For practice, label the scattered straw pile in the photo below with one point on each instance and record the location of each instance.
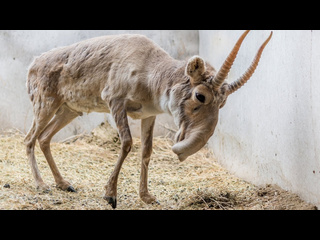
(87, 161)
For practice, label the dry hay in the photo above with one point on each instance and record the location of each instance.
(87, 161)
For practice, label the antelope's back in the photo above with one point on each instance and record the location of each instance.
(85, 68)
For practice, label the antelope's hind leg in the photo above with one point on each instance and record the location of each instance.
(63, 117)
(42, 116)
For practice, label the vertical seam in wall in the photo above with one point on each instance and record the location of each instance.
(316, 151)
(198, 42)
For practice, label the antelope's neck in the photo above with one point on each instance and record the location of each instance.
(166, 77)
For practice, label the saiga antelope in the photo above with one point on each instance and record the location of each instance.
(127, 75)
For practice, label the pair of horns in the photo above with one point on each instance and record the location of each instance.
(225, 68)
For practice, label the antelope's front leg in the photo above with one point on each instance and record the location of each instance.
(146, 140)
(120, 117)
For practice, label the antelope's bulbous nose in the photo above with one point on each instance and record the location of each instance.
(181, 156)
(188, 147)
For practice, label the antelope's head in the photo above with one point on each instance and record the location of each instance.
(196, 102)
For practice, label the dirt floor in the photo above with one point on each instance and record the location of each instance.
(199, 183)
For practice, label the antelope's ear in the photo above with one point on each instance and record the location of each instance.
(195, 68)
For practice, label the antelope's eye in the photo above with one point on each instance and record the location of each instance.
(200, 97)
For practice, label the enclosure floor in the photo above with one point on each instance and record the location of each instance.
(87, 161)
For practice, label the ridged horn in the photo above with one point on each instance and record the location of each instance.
(234, 86)
(225, 68)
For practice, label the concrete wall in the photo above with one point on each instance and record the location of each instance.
(18, 48)
(269, 131)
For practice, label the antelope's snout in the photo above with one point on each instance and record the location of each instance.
(191, 140)
(189, 146)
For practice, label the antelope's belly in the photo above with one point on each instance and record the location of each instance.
(89, 105)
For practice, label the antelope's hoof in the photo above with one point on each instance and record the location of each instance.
(43, 188)
(148, 198)
(65, 186)
(111, 200)
(71, 189)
